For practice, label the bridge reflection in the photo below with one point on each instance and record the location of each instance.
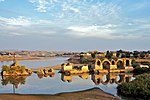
(102, 78)
(111, 78)
(68, 78)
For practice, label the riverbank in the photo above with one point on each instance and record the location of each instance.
(22, 58)
(90, 94)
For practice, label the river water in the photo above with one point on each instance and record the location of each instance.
(58, 83)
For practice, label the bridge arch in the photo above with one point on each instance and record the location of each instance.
(106, 64)
(97, 65)
(113, 62)
(127, 62)
(120, 64)
(98, 62)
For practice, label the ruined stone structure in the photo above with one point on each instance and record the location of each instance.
(66, 67)
(84, 68)
(15, 69)
(70, 69)
(123, 63)
(105, 65)
(43, 72)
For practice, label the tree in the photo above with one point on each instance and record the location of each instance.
(142, 55)
(123, 56)
(117, 54)
(109, 54)
(120, 51)
(134, 64)
(135, 54)
(84, 60)
(81, 56)
(93, 55)
(127, 54)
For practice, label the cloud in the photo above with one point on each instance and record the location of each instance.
(66, 7)
(104, 32)
(42, 4)
(15, 34)
(78, 10)
(27, 27)
(21, 20)
(23, 26)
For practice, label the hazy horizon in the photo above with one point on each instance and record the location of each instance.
(75, 25)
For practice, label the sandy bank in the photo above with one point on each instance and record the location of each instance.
(90, 94)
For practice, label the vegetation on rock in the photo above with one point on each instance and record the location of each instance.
(15, 70)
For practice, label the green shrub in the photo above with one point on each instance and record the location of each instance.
(140, 87)
(84, 60)
(134, 64)
(141, 70)
(5, 68)
(145, 63)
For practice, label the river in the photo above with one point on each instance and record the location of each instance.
(59, 83)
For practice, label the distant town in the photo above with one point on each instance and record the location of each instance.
(30, 55)
(119, 53)
(76, 57)
(96, 53)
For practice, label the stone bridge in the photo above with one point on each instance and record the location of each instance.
(121, 63)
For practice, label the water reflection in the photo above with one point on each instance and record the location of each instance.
(102, 78)
(111, 78)
(14, 80)
(44, 75)
(68, 78)
(50, 83)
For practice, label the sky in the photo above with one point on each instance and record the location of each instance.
(75, 25)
